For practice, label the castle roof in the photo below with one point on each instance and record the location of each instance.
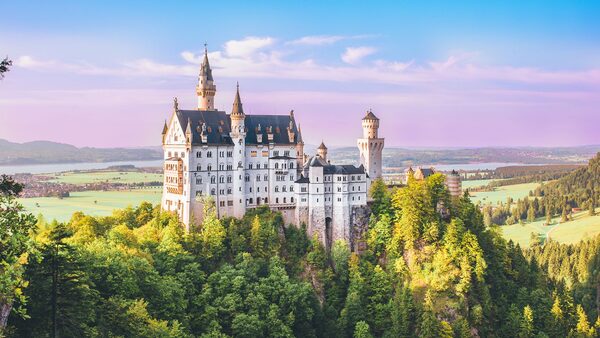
(217, 126)
(205, 70)
(322, 146)
(370, 116)
(329, 169)
(237, 109)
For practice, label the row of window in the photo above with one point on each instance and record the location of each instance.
(209, 154)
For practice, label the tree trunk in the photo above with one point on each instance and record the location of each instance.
(5, 308)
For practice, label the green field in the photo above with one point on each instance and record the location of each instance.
(500, 194)
(475, 183)
(581, 227)
(106, 176)
(96, 203)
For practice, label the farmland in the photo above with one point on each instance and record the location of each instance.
(500, 194)
(581, 227)
(106, 176)
(97, 203)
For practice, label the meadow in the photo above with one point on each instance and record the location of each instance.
(581, 227)
(106, 176)
(475, 183)
(97, 203)
(500, 194)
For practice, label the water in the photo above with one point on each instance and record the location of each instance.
(60, 167)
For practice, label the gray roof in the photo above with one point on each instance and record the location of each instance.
(205, 67)
(346, 169)
(302, 179)
(218, 127)
(370, 116)
(328, 169)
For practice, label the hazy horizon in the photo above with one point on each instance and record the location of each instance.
(441, 75)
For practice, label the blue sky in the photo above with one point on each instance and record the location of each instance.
(437, 73)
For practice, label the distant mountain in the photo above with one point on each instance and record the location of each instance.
(44, 152)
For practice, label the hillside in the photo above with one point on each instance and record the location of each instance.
(43, 152)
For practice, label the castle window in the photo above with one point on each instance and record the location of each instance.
(212, 191)
(239, 164)
(352, 188)
(182, 154)
(339, 189)
(249, 165)
(198, 168)
(251, 201)
(221, 154)
(291, 165)
(265, 166)
(276, 153)
(209, 167)
(222, 203)
(228, 191)
(198, 180)
(284, 188)
(222, 179)
(317, 189)
(276, 188)
(209, 154)
(284, 200)
(359, 188)
(266, 177)
(291, 188)
(229, 153)
(291, 177)
(229, 179)
(265, 153)
(229, 203)
(250, 189)
(253, 153)
(247, 178)
(198, 193)
(229, 167)
(339, 199)
(292, 200)
(257, 178)
(276, 165)
(198, 154)
(286, 153)
(276, 199)
(221, 166)
(213, 179)
(169, 154)
(222, 192)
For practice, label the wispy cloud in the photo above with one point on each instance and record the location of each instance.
(247, 47)
(354, 55)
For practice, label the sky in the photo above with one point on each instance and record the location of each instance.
(437, 73)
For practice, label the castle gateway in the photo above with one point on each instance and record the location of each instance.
(245, 161)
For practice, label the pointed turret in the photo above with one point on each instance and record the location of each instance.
(237, 111)
(206, 88)
(322, 151)
(164, 132)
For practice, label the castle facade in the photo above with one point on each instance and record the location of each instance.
(245, 161)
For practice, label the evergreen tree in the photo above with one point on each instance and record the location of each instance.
(361, 330)
(526, 326)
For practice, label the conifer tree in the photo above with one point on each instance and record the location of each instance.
(526, 327)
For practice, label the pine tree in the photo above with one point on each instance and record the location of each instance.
(526, 327)
(361, 330)
(402, 313)
(583, 326)
(530, 214)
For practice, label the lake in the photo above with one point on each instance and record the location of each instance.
(60, 167)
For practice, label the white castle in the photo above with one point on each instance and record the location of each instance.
(245, 161)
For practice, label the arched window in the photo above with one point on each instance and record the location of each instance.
(212, 191)
(284, 200)
(222, 179)
(276, 165)
(209, 167)
(276, 188)
(239, 164)
(213, 179)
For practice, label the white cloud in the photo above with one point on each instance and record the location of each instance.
(247, 47)
(354, 55)
(317, 40)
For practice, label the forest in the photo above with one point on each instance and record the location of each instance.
(576, 189)
(431, 268)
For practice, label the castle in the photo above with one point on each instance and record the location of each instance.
(244, 161)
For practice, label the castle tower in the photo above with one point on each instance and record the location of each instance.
(206, 88)
(300, 150)
(371, 146)
(453, 182)
(322, 151)
(238, 136)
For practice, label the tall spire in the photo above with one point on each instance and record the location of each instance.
(237, 110)
(206, 88)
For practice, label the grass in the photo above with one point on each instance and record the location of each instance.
(106, 202)
(581, 227)
(475, 183)
(106, 176)
(500, 194)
